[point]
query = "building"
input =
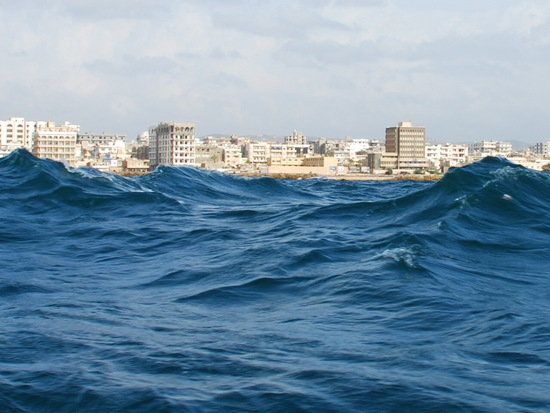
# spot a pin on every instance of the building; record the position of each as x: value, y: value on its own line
x: 232, y: 155
x: 541, y: 149
x: 485, y: 148
x: 17, y: 133
x: 98, y: 147
x: 257, y: 152
x: 172, y: 143
x: 448, y: 155
x: 297, y: 138
x: 57, y: 142
x: 408, y: 143
x: 209, y: 156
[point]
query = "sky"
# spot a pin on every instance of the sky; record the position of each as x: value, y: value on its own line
x: 465, y: 70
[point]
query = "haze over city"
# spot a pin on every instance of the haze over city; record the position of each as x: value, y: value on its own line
x: 330, y: 68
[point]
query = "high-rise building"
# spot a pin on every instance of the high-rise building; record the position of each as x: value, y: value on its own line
x: 172, y: 143
x: 407, y: 142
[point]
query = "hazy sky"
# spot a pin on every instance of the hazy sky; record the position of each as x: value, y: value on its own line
x: 466, y: 69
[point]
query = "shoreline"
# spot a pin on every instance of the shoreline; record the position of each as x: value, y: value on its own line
x: 343, y: 177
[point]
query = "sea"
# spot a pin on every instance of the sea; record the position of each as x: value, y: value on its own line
x: 188, y: 290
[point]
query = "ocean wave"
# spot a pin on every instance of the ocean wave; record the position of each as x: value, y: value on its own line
x: 191, y: 290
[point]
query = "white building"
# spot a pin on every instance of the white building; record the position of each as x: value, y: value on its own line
x: 17, y: 133
x: 447, y: 155
x: 541, y: 149
x: 172, y: 143
x: 101, y: 146
x: 491, y: 148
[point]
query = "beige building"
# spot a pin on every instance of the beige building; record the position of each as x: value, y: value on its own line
x: 172, y: 143
x: 232, y: 155
x: 57, y: 142
x: 257, y: 152
x: 314, y: 165
x: 297, y: 138
x: 408, y: 142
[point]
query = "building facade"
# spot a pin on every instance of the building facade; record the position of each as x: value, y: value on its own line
x: 57, y: 142
x: 408, y: 143
x: 485, y: 148
x: 17, y: 133
x: 297, y: 138
x: 541, y: 149
x: 172, y: 143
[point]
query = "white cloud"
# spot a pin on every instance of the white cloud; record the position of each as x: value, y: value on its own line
x: 329, y: 67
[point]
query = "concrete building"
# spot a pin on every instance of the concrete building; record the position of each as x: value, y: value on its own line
x: 541, y: 149
x: 232, y: 155
x: 257, y: 152
x: 172, y: 143
x: 209, y: 156
x: 485, y: 148
x: 314, y: 165
x: 99, y: 147
x: 445, y: 156
x: 57, y: 142
x: 17, y: 133
x: 297, y: 138
x: 408, y: 142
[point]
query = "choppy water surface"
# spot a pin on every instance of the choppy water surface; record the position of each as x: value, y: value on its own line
x: 187, y: 290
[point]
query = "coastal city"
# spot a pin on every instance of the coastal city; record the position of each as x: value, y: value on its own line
x: 404, y: 151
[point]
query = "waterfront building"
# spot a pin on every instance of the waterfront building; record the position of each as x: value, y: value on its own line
x: 485, y: 148
x: 447, y: 155
x: 172, y: 143
x: 101, y: 146
x: 16, y: 132
x: 541, y: 149
x: 208, y: 156
x: 407, y: 142
x: 57, y: 142
x: 257, y: 152
x: 232, y: 155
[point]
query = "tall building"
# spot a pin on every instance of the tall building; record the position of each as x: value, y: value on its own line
x: 57, y: 142
x: 408, y: 144
x: 172, y: 143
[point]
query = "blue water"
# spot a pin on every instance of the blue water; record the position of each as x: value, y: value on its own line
x: 187, y: 290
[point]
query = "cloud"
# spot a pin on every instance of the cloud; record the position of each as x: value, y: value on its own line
x: 329, y: 67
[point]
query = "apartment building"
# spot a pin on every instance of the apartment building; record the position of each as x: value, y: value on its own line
x: 491, y: 148
x: 449, y: 155
x: 257, y: 152
x: 57, y: 142
x: 297, y: 138
x: 16, y: 133
x: 172, y: 143
x: 541, y: 149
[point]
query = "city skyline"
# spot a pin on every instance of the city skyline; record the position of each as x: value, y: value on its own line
x: 330, y: 68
